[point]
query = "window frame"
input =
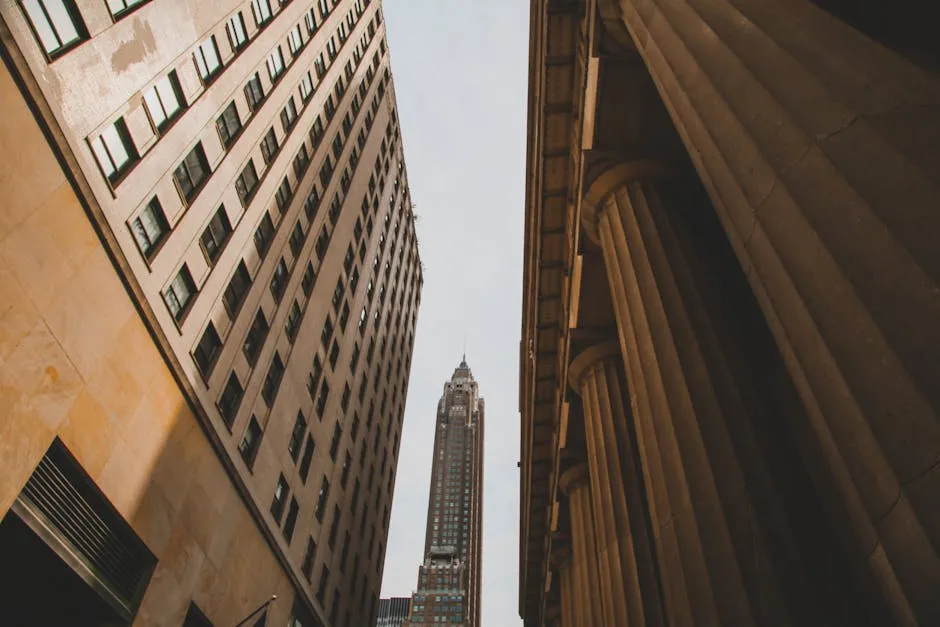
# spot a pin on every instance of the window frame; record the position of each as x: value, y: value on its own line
x: 221, y: 122
x: 122, y: 134
x: 211, y: 74
x: 212, y: 256
x: 237, y: 18
x: 160, y: 219
x: 183, y: 307
x: 195, y: 186
x: 76, y: 20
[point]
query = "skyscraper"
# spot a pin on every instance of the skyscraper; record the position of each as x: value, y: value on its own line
x: 209, y: 282
x: 448, y: 589
x: 393, y: 612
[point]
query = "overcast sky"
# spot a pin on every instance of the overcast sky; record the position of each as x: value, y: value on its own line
x: 460, y: 73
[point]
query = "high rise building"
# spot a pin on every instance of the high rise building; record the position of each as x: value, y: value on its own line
x: 393, y: 612
x: 209, y: 282
x: 730, y: 358
x: 448, y: 589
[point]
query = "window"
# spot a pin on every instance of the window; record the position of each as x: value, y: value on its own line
x: 261, y: 10
x: 216, y: 235
x: 312, y: 203
x: 279, y: 280
x: 306, y: 88
x: 293, y: 322
x: 272, y: 381
x: 257, y: 334
x: 247, y: 183
x: 301, y: 161
x: 179, y: 294
x: 281, y: 491
x: 114, y: 150
x: 306, y: 459
x: 291, y: 521
x: 295, y: 41
x: 254, y: 93
x: 269, y: 146
x: 192, y: 173
x: 322, y: 499
x: 264, y: 234
x: 164, y: 101
x: 236, y: 32
x: 275, y: 64
x: 329, y: 107
x: 57, y: 23
x: 289, y: 115
x: 309, y: 279
x: 331, y: 48
x: 229, y: 125
x: 207, y: 350
x: 149, y: 228
x: 236, y: 290
x: 319, y: 66
x: 283, y: 195
x: 316, y: 131
x: 334, y: 443
x: 296, y: 239
x: 251, y: 441
x: 334, y: 527
x: 230, y: 400
x: 324, y: 9
x: 322, y: 398
x: 207, y: 60
x: 195, y: 617
x: 309, y: 555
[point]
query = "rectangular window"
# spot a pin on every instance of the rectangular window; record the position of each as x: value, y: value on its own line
x: 306, y: 459
x: 331, y: 48
x: 293, y: 322
x: 279, y: 280
x: 192, y: 173
x: 297, y: 436
x: 301, y: 161
x: 264, y: 234
x: 230, y: 400
x: 179, y: 294
x: 206, y: 56
x: 309, y: 555
x: 334, y: 527
x: 164, y: 101
x: 316, y: 131
x: 297, y: 239
x: 289, y: 115
x: 57, y: 23
x: 236, y: 32
x: 261, y: 9
x: 251, y: 441
x: 330, y: 107
x: 269, y: 146
x: 207, y: 350
x: 295, y: 41
x: 306, y: 88
x: 319, y: 66
x: 283, y: 195
x: 324, y: 8
x: 247, y: 183
x: 312, y: 203
x: 281, y: 492
x: 309, y: 279
x: 322, y: 398
x: 275, y: 64
x: 237, y: 289
x: 291, y: 521
x: 334, y: 442
x: 229, y: 125
x: 114, y: 150
x: 216, y: 235
x: 322, y: 499
x: 255, y: 338
x: 149, y: 228
x: 272, y: 381
x: 254, y: 93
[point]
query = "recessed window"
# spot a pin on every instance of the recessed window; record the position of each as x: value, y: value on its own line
x: 261, y: 9
x: 236, y: 31
x: 312, y: 203
x: 192, y: 173
x: 207, y: 350
x: 281, y: 492
x: 229, y: 125
x: 306, y: 459
x: 316, y: 131
x: 164, y: 101
x: 283, y: 195
x: 264, y: 234
x: 255, y: 338
x: 295, y: 41
x: 309, y: 279
x: 114, y: 150
x: 275, y: 64
x: 251, y: 441
x: 324, y: 8
x: 216, y: 235
x: 289, y: 115
x: 57, y: 23
x: 247, y: 183
x: 334, y: 443
x: 279, y: 280
x: 179, y: 294
x: 297, y: 239
x: 322, y: 499
x: 269, y: 146
x: 207, y: 60
x: 150, y: 228
x: 309, y: 555
x: 297, y: 436
x: 331, y: 48
x: 322, y: 398
x: 319, y: 66
x: 291, y: 521
x: 230, y: 400
x: 237, y: 289
x: 301, y: 161
x: 254, y: 93
x: 272, y: 381
x: 120, y: 8
x: 293, y: 322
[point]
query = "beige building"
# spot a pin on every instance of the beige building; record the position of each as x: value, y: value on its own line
x: 209, y: 282
x: 730, y: 360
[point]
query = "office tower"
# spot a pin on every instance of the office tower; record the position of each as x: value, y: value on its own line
x: 729, y: 381
x: 393, y: 612
x: 209, y: 280
x: 448, y: 589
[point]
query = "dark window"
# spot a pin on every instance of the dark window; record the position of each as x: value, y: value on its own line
x: 309, y: 555
x: 281, y: 492
x: 354, y: 360
x: 322, y: 584
x: 57, y: 24
x: 247, y: 183
x: 283, y: 195
x: 192, y: 173
x: 289, y: 115
x: 269, y: 146
x: 334, y: 354
x: 334, y: 442
x: 309, y: 279
x: 344, y: 317
x: 293, y: 322
x: 326, y: 334
x: 319, y: 66
x: 257, y: 334
x: 306, y: 88
x: 306, y: 459
x: 322, y: 398
x: 216, y: 235
x: 236, y: 290
x: 207, y: 60
x: 207, y: 350
x: 347, y: 462
x: 315, y: 374
x: 279, y: 280
x: 229, y: 125
x: 322, y: 499
x: 297, y: 436
x: 301, y: 161
x: 296, y: 239
x: 316, y: 132
x: 248, y: 448
x: 150, y: 227
x: 114, y: 150
x: 291, y: 521
x: 230, y: 400
x: 344, y: 402
x: 254, y: 93
x: 195, y: 617
x: 334, y: 527
x: 323, y: 241
x: 312, y: 203
x: 264, y: 234
x: 179, y: 294
x: 272, y: 382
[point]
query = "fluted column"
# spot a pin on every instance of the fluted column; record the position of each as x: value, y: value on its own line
x: 813, y: 143
x: 625, y: 557
x: 561, y: 565
x: 587, y: 605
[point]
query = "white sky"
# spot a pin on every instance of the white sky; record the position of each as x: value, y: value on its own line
x: 460, y: 72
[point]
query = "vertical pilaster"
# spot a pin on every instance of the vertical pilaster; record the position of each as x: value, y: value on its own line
x: 561, y: 564
x: 588, y: 606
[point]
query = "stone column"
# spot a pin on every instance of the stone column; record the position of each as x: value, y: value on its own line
x: 625, y: 556
x: 818, y: 148
x: 587, y: 605
x: 561, y: 564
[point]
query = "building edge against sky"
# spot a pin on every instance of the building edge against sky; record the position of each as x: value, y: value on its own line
x: 210, y: 282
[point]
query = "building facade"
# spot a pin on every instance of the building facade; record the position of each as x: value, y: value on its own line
x: 210, y: 283
x: 448, y: 589
x: 393, y: 612
x: 729, y: 392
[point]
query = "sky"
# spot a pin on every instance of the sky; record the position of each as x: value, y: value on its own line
x: 460, y: 75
